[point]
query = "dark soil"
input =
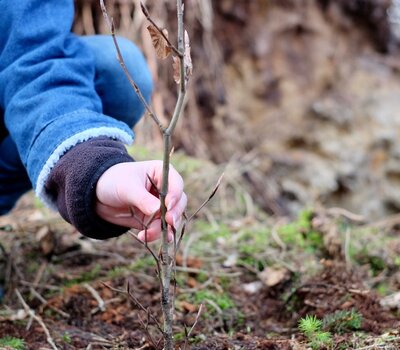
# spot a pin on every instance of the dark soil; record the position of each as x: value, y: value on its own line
x: 263, y: 320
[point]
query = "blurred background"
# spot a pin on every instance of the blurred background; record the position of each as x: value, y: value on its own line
x: 300, y: 99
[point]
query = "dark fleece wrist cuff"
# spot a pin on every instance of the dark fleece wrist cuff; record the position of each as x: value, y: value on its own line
x: 72, y: 184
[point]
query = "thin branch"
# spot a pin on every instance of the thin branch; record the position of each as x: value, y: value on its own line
x: 194, y: 324
x: 145, y: 326
x: 97, y: 297
x: 45, y: 303
x: 121, y: 61
x: 208, y: 199
x: 170, y: 45
x: 137, y: 303
x: 38, y: 319
x: 166, y: 266
x: 156, y: 259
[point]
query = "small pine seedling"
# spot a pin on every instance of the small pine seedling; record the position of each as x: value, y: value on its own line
x: 311, y: 327
x: 343, y: 321
x: 12, y: 343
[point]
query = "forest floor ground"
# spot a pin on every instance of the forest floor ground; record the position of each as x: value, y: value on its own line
x: 257, y: 277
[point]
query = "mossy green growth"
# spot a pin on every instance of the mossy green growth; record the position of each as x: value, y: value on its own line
x: 138, y: 265
x: 222, y: 300
x: 300, y: 233
x: 210, y: 232
x: 66, y: 338
x: 254, y: 241
x: 12, y: 342
x: 87, y: 276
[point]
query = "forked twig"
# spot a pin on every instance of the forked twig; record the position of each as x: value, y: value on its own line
x: 165, y: 263
x: 170, y: 45
x: 97, y: 297
x: 121, y: 61
x: 38, y: 319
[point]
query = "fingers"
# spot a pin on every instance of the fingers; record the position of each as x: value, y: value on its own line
x: 153, y: 232
x: 143, y: 200
x: 175, y: 188
x: 125, y: 186
x: 175, y: 214
x: 120, y: 216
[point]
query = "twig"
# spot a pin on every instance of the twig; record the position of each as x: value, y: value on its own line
x: 137, y: 303
x: 145, y: 326
x: 195, y: 322
x: 37, y: 318
x: 170, y: 45
x: 97, y: 297
x: 156, y: 259
x: 46, y: 286
x: 346, y: 213
x: 165, y: 263
x: 381, y: 343
x: 208, y: 199
x: 121, y: 61
x: 45, y: 303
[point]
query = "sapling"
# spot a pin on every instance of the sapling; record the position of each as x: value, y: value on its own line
x: 165, y: 259
x: 311, y: 327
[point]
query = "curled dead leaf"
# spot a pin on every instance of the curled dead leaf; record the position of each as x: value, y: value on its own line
x: 46, y: 239
x: 160, y: 44
x: 187, y: 58
x: 176, y: 66
x: 188, y: 307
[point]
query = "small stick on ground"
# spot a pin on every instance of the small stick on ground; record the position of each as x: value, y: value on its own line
x: 38, y: 319
x: 187, y: 335
x: 97, y: 297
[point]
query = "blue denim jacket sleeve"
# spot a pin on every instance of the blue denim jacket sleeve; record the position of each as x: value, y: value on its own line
x: 47, y: 88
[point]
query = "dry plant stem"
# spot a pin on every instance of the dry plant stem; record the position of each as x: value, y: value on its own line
x: 188, y: 333
x: 37, y: 318
x: 166, y: 261
x: 146, y: 13
x: 121, y: 61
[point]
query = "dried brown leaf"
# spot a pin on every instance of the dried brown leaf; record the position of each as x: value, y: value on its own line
x: 46, y: 239
x: 160, y: 44
x: 176, y: 66
x: 272, y: 276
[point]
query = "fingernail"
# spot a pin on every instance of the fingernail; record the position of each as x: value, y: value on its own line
x: 141, y: 236
x: 170, y: 237
x: 171, y: 203
x: 175, y: 220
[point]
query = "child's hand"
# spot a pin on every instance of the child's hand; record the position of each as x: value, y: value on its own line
x: 126, y: 185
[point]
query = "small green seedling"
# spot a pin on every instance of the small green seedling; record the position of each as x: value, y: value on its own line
x: 12, y: 343
x: 343, y: 321
x: 311, y: 327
